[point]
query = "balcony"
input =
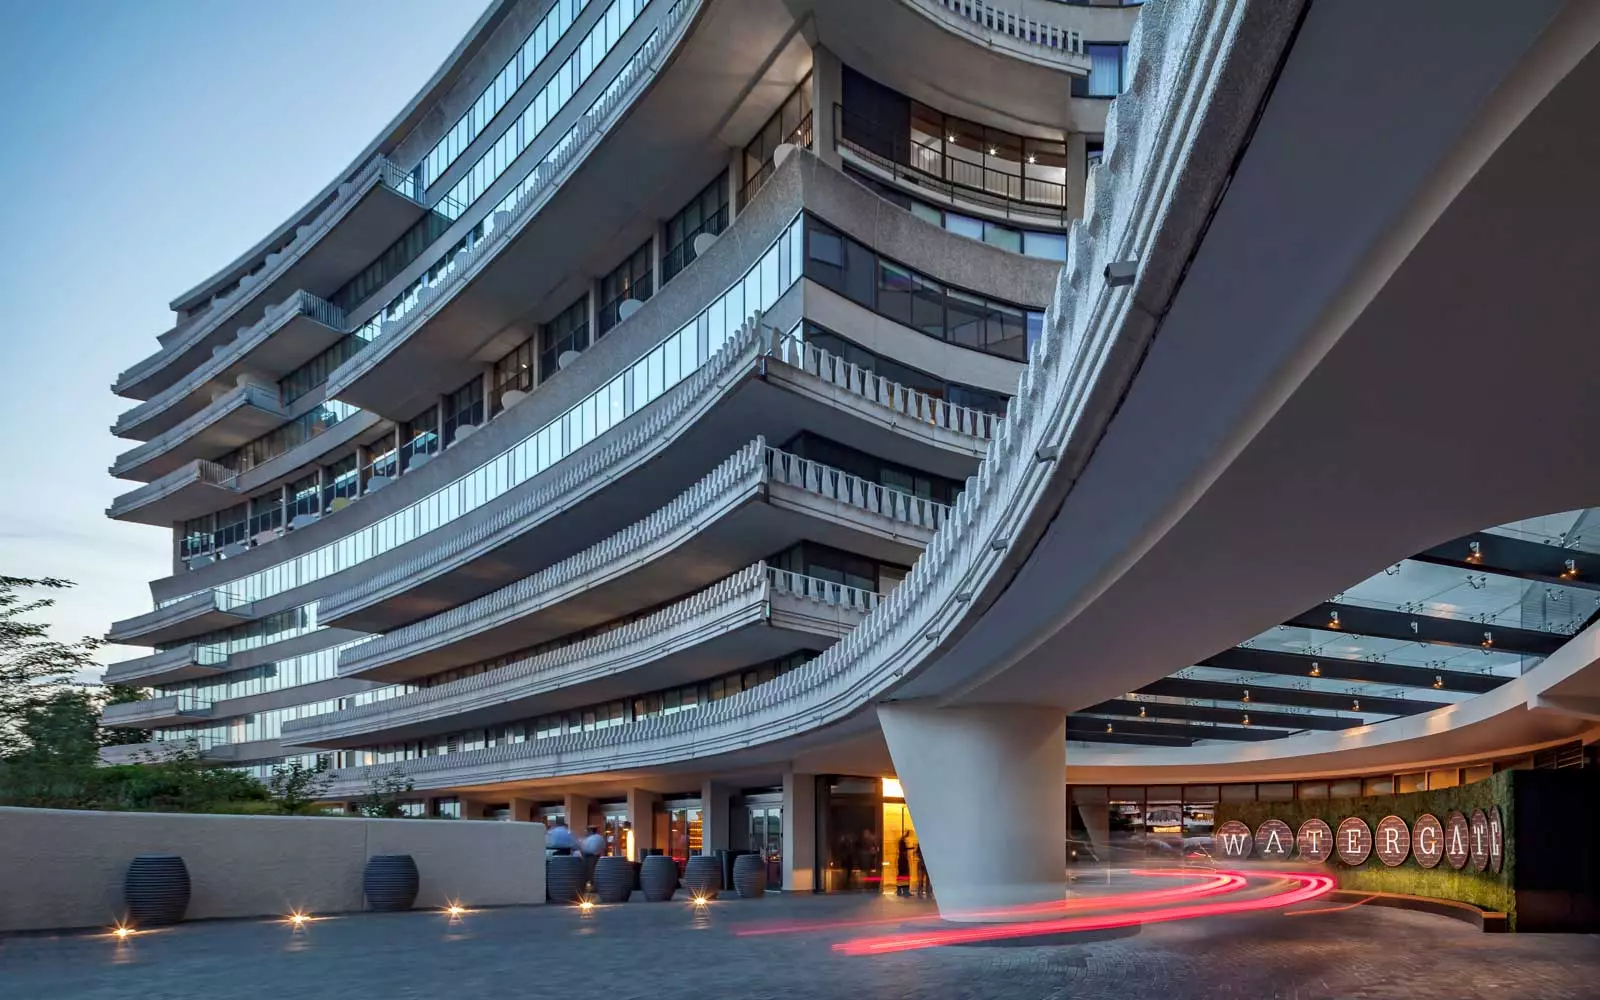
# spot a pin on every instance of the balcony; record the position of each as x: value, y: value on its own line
x: 291, y: 333
x: 757, y: 502
x: 190, y: 490
x: 756, y: 615
x: 1010, y: 31
x: 366, y: 215
x: 194, y: 615
x: 940, y: 176
x: 805, y: 388
x: 232, y: 419
x: 170, y: 666
x: 171, y: 710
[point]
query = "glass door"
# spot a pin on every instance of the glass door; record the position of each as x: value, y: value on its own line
x: 766, y: 839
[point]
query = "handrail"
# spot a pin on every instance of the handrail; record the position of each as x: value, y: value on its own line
x: 249, y: 394
x: 924, y: 166
x: 800, y: 137
x: 199, y: 470
x: 751, y: 465
x: 378, y: 171
x: 299, y: 303
x: 1014, y: 25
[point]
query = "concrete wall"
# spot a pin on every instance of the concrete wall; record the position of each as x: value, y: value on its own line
x: 65, y: 868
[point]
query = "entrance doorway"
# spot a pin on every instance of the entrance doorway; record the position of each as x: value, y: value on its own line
x: 766, y: 833
x: 903, y: 874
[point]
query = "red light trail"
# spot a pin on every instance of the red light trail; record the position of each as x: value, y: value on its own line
x: 1308, y: 887
x: 1211, y: 885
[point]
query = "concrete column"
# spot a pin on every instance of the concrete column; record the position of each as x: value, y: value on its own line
x: 641, y: 816
x: 986, y: 787
x: 799, y: 832
x: 577, y: 808
x: 735, y: 181
x: 715, y: 805
x: 656, y: 242
x: 522, y: 810
x: 1077, y: 172
x: 827, y: 89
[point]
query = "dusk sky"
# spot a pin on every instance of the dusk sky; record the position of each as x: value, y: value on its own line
x: 146, y: 145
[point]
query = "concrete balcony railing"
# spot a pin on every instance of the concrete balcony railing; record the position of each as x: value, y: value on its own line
x: 522, y: 203
x: 236, y: 416
x: 322, y: 325
x: 753, y: 616
x: 172, y: 710
x: 170, y: 666
x: 1032, y: 33
x: 1159, y: 162
x: 378, y: 172
x: 801, y: 368
x: 758, y: 501
x: 183, y: 619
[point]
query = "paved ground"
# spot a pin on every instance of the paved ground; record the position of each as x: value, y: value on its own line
x: 667, y: 951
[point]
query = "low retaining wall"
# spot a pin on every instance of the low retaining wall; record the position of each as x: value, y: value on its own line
x: 64, y: 868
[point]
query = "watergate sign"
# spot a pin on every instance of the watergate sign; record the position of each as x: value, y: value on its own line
x: 1459, y: 840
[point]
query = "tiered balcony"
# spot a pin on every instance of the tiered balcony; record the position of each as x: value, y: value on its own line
x: 756, y: 615
x: 804, y: 388
x: 194, y: 615
x: 756, y: 503
x: 171, y: 666
x: 289, y: 334
x: 234, y: 418
x: 190, y: 490
x: 365, y: 216
x: 172, y: 710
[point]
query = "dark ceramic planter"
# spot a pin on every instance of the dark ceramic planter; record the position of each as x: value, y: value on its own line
x: 750, y: 875
x: 658, y: 877
x: 391, y: 882
x: 156, y: 889
x: 702, y: 876
x: 563, y: 878
x: 613, y: 879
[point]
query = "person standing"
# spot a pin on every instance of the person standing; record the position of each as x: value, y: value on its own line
x: 902, y: 866
x: 924, y: 883
x: 592, y: 846
x: 559, y: 840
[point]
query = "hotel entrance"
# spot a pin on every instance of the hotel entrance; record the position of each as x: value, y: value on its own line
x: 866, y: 840
x: 903, y: 874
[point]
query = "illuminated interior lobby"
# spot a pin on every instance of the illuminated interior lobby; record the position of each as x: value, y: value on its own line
x: 931, y: 449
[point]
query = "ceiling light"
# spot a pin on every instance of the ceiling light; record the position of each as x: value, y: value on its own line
x: 1333, y: 619
x: 1571, y: 571
x: 1475, y: 553
x: 993, y: 151
x: 1247, y: 719
x: 951, y: 137
x: 1141, y: 711
x: 1246, y: 698
x: 1356, y: 705
x: 1316, y: 669
x: 1438, y: 682
x: 1032, y: 158
x: 1488, y: 639
x: 1108, y: 727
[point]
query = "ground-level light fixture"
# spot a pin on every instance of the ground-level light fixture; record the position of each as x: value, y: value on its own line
x: 586, y: 905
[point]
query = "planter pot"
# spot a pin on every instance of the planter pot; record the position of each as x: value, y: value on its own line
x: 750, y: 875
x: 563, y: 878
x: 613, y: 879
x: 702, y: 876
x: 658, y: 877
x: 156, y: 889
x: 390, y: 882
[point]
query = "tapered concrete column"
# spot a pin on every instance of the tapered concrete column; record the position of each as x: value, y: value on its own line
x: 577, y: 807
x: 522, y: 810
x: 987, y: 792
x: 799, y: 832
x: 641, y: 816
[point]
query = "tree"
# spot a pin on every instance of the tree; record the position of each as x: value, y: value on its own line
x: 122, y: 694
x: 33, y: 667
x: 384, y: 790
x: 297, y: 786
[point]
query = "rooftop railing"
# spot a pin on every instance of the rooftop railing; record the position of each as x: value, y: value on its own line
x: 1013, y: 25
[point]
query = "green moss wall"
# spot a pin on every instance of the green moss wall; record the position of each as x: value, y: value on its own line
x: 1488, y: 890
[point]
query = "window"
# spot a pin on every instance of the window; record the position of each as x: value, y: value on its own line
x: 1106, y: 64
x: 707, y: 212
x: 952, y: 392
x: 1033, y: 243
x: 836, y: 261
x: 419, y: 436
x: 514, y: 372
x: 873, y: 469
x: 463, y: 408
x: 266, y: 513
x: 315, y: 372
x: 631, y: 279
x: 340, y: 482
x: 304, y: 497
x: 791, y: 123
x: 567, y: 332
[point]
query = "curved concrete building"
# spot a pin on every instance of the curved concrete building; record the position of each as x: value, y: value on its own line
x: 804, y: 425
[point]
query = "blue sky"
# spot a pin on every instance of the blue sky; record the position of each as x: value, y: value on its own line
x: 146, y: 144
